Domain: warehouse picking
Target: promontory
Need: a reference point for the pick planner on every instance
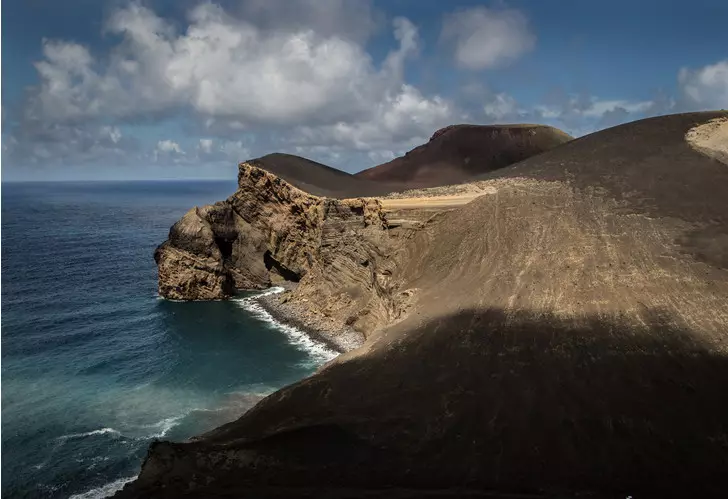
(538, 317)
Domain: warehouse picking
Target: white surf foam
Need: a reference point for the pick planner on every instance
(319, 351)
(164, 426)
(159, 430)
(107, 490)
(101, 431)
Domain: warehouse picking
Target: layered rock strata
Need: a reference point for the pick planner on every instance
(338, 251)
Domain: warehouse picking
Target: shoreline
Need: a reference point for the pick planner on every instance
(336, 337)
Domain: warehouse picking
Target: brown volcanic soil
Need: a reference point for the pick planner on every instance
(318, 179)
(457, 153)
(568, 333)
(453, 155)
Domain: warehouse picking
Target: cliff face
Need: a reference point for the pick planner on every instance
(339, 251)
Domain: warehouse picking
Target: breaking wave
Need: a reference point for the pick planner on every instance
(319, 351)
(106, 490)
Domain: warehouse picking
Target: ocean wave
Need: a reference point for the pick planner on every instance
(107, 490)
(101, 431)
(319, 351)
(172, 300)
(160, 430)
(163, 426)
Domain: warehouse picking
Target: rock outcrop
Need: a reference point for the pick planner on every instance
(338, 251)
(568, 334)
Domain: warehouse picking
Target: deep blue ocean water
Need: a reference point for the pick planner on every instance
(94, 364)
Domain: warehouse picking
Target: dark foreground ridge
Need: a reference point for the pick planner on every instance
(526, 404)
(563, 334)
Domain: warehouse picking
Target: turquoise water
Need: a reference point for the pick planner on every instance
(94, 364)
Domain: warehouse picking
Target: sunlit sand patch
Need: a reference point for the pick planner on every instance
(711, 138)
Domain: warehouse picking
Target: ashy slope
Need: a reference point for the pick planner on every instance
(318, 179)
(457, 153)
(568, 332)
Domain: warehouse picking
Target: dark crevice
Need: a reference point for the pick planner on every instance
(225, 245)
(274, 265)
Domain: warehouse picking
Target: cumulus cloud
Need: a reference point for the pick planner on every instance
(581, 114)
(113, 133)
(235, 150)
(169, 146)
(295, 69)
(400, 120)
(485, 38)
(227, 151)
(223, 68)
(598, 108)
(53, 143)
(707, 87)
(168, 151)
(295, 76)
(355, 20)
(503, 106)
(205, 145)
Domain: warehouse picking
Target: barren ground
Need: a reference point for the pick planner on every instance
(711, 139)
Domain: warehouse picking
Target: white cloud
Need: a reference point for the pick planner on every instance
(8, 144)
(235, 151)
(382, 156)
(579, 107)
(272, 75)
(168, 151)
(707, 87)
(485, 38)
(223, 151)
(401, 120)
(68, 144)
(352, 19)
(205, 145)
(501, 107)
(169, 146)
(598, 108)
(113, 132)
(222, 68)
(297, 72)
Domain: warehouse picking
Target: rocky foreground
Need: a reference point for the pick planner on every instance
(565, 332)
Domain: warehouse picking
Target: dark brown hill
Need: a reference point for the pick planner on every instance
(457, 153)
(319, 179)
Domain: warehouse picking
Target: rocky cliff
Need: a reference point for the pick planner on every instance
(568, 335)
(338, 251)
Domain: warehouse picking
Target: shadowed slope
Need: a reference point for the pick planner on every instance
(457, 153)
(481, 401)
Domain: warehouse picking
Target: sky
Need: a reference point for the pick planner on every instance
(119, 89)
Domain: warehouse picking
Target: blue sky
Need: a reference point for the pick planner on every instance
(186, 89)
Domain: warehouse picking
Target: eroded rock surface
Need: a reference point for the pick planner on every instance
(338, 251)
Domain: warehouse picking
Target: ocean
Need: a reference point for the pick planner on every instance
(94, 364)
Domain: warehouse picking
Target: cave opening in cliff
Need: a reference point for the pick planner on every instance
(274, 265)
(225, 246)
